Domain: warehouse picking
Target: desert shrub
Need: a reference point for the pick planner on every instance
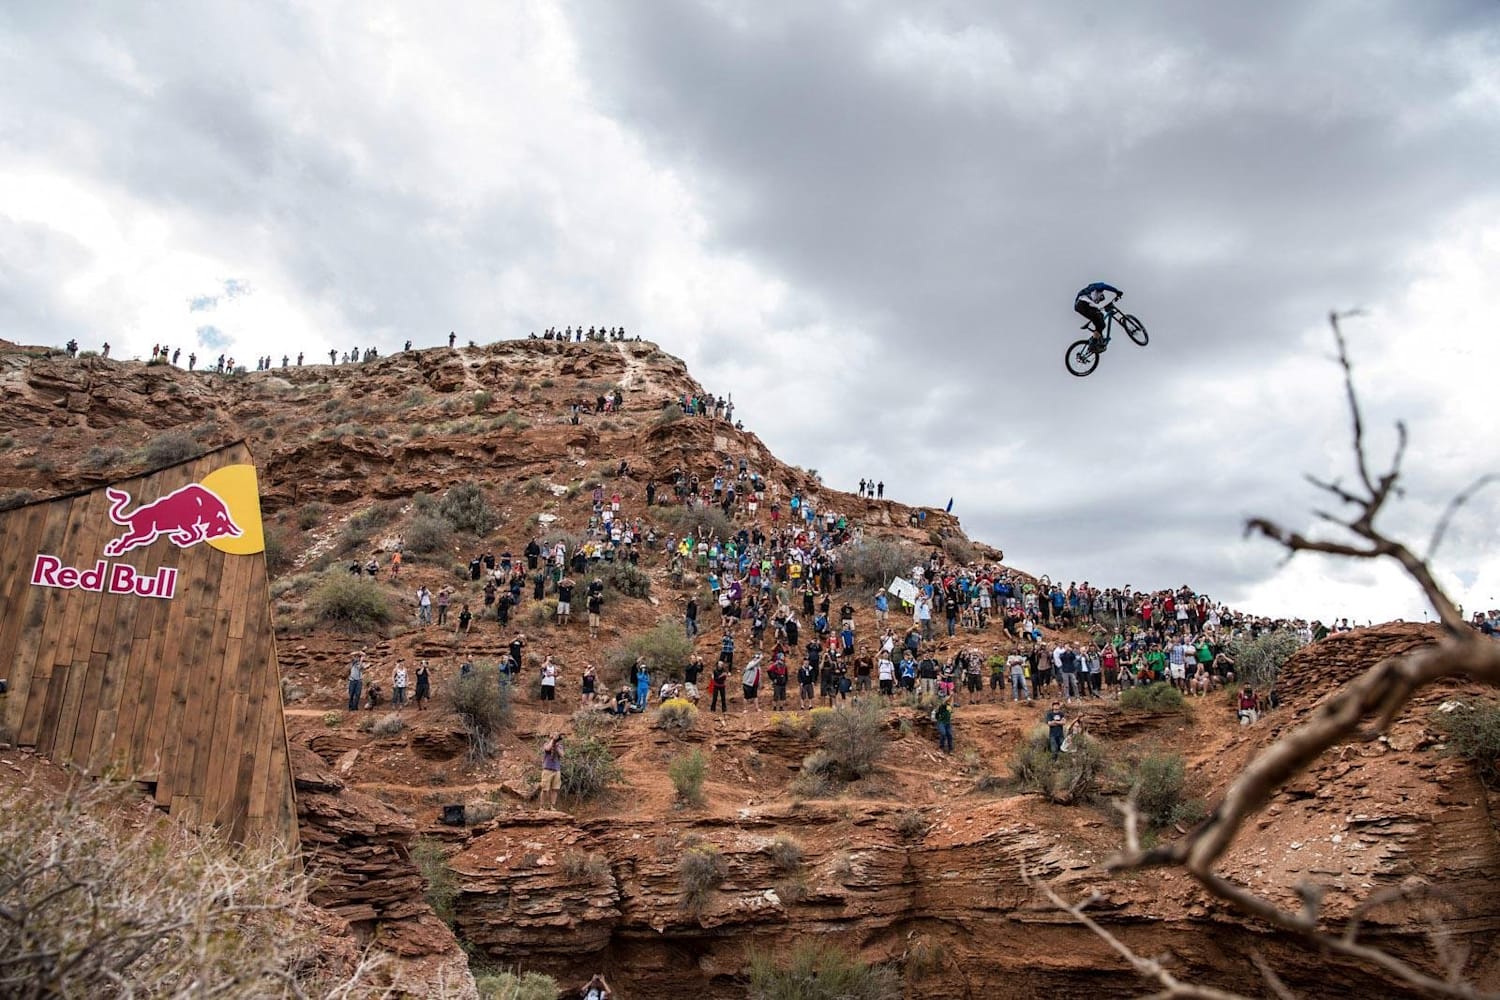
(911, 824)
(1159, 781)
(786, 853)
(665, 647)
(1472, 731)
(428, 534)
(959, 549)
(516, 986)
(171, 448)
(854, 740)
(1258, 661)
(103, 458)
(583, 866)
(309, 514)
(388, 725)
(278, 559)
(351, 603)
(699, 520)
(625, 579)
(687, 772)
(95, 906)
(482, 705)
(874, 561)
(817, 778)
(817, 971)
(511, 420)
(16, 498)
(467, 510)
(38, 463)
(670, 414)
(482, 401)
(441, 887)
(1072, 777)
(676, 714)
(1159, 697)
(701, 871)
(589, 766)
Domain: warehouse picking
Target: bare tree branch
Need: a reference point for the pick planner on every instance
(1453, 506)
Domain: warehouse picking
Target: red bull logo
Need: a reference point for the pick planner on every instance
(222, 511)
(185, 516)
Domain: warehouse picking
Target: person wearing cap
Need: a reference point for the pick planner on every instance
(943, 717)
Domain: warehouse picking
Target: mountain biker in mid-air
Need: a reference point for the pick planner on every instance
(1090, 304)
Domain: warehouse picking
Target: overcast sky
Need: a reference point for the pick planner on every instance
(866, 220)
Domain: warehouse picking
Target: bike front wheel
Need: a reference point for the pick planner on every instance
(1081, 358)
(1135, 329)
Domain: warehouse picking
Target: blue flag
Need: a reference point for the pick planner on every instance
(950, 505)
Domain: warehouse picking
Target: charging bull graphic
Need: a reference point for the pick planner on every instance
(186, 516)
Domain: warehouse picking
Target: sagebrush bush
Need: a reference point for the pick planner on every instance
(872, 562)
(1071, 777)
(701, 871)
(516, 986)
(441, 889)
(350, 603)
(786, 853)
(699, 520)
(170, 448)
(467, 510)
(687, 772)
(1160, 782)
(95, 905)
(911, 824)
(310, 514)
(1258, 661)
(589, 767)
(482, 705)
(429, 533)
(670, 414)
(676, 714)
(816, 971)
(1158, 697)
(278, 559)
(665, 648)
(583, 866)
(389, 725)
(625, 579)
(1472, 731)
(854, 739)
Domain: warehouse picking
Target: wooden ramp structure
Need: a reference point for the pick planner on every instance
(136, 636)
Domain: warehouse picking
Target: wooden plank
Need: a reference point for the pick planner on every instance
(48, 705)
(22, 605)
(203, 695)
(81, 618)
(244, 660)
(33, 667)
(92, 743)
(116, 728)
(166, 723)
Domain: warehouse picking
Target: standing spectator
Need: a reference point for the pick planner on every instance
(596, 605)
(643, 686)
(588, 683)
(1056, 728)
(356, 680)
(549, 681)
(424, 686)
(444, 596)
(424, 602)
(882, 607)
(717, 687)
(465, 617)
(564, 600)
(552, 758)
(690, 617)
(750, 682)
(398, 686)
(943, 717)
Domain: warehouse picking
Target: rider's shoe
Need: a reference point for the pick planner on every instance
(1096, 344)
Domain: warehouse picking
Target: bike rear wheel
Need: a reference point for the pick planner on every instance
(1135, 329)
(1081, 358)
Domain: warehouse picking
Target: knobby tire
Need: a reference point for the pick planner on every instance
(1081, 359)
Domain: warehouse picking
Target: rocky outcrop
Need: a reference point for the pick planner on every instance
(358, 854)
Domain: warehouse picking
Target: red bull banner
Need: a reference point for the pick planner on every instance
(204, 512)
(137, 638)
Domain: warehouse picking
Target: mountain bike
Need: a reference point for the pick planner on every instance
(1083, 355)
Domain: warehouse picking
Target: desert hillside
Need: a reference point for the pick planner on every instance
(846, 824)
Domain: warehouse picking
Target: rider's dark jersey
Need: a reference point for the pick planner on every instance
(1098, 286)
